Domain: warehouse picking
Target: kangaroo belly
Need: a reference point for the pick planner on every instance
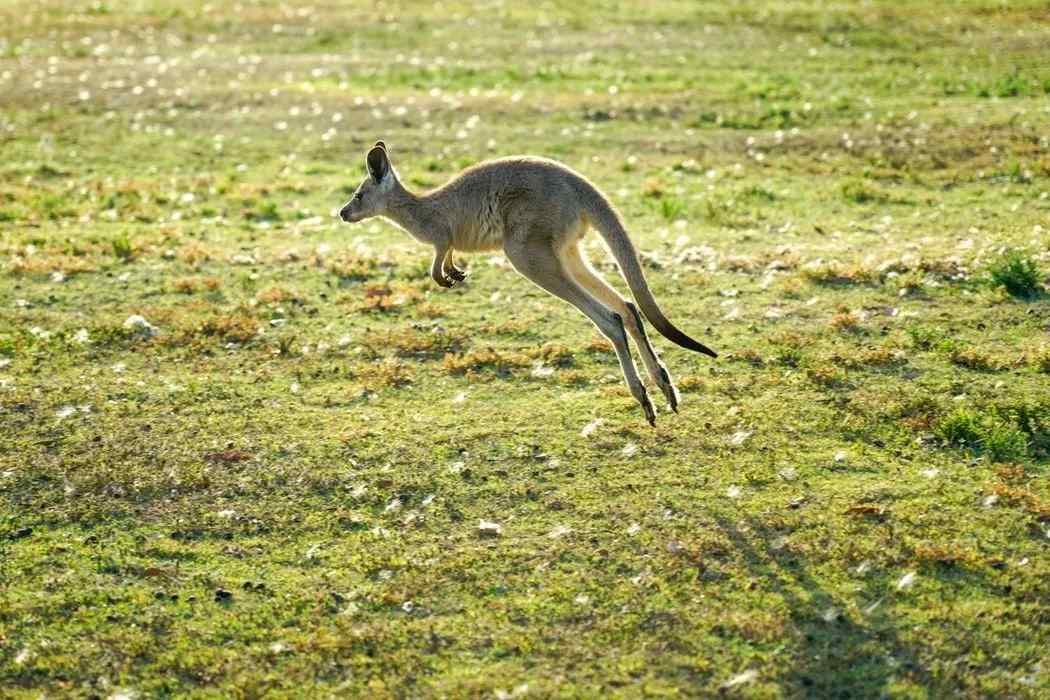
(483, 232)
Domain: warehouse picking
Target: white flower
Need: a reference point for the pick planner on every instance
(734, 492)
(65, 412)
(81, 336)
(487, 528)
(740, 436)
(591, 427)
(740, 679)
(633, 529)
(140, 325)
(629, 450)
(540, 371)
(559, 531)
(906, 581)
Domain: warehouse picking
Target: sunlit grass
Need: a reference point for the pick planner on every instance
(248, 450)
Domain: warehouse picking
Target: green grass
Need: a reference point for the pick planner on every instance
(275, 484)
(1018, 273)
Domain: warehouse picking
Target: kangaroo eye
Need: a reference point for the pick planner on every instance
(357, 196)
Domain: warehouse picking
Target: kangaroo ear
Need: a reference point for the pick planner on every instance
(378, 164)
(380, 144)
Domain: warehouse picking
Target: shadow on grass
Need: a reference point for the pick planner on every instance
(834, 654)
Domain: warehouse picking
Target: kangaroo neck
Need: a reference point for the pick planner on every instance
(417, 214)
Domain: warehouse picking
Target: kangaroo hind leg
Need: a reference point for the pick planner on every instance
(536, 260)
(580, 268)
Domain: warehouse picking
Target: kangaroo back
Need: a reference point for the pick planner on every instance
(604, 218)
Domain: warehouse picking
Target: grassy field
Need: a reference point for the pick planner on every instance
(309, 471)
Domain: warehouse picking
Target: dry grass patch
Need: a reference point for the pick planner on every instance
(192, 285)
(351, 268)
(947, 555)
(836, 274)
(553, 354)
(384, 299)
(972, 358)
(872, 357)
(846, 322)
(748, 355)
(430, 343)
(598, 344)
(49, 263)
(225, 328)
(195, 252)
(827, 376)
(389, 372)
(478, 361)
(278, 295)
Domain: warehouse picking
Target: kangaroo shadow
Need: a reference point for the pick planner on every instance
(833, 653)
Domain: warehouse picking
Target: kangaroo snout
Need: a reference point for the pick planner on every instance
(344, 214)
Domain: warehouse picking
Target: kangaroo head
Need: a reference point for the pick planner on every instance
(372, 197)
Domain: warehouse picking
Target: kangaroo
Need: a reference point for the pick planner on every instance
(536, 210)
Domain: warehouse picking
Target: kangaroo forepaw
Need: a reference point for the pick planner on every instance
(456, 274)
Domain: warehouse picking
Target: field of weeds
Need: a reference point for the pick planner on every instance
(246, 450)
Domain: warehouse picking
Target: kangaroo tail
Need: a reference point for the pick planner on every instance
(604, 218)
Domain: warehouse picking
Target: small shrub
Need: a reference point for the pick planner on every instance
(1042, 361)
(961, 427)
(672, 208)
(984, 434)
(1018, 273)
(859, 193)
(925, 338)
(788, 356)
(1004, 443)
(123, 249)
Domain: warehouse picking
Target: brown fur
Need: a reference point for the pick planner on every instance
(536, 210)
